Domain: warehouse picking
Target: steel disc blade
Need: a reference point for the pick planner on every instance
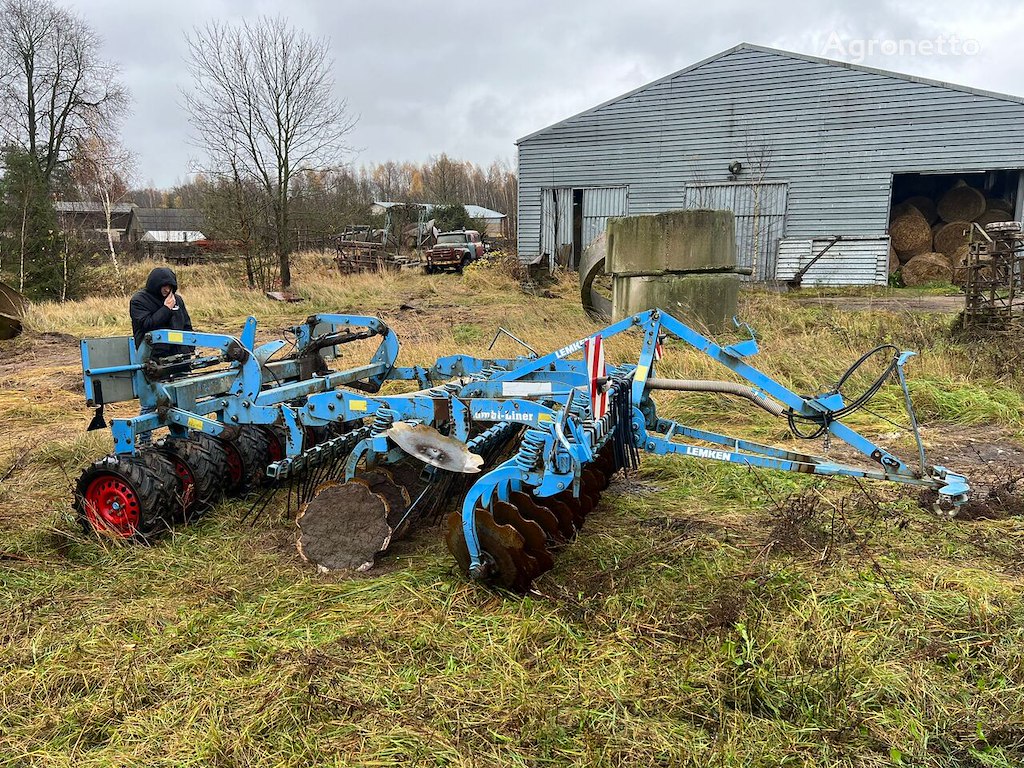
(514, 568)
(455, 540)
(605, 466)
(580, 507)
(397, 497)
(591, 485)
(431, 447)
(566, 519)
(536, 541)
(533, 510)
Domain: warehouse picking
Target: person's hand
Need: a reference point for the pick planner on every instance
(171, 302)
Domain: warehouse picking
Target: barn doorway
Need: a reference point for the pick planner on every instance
(573, 217)
(1001, 190)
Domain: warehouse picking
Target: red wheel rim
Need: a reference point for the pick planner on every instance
(235, 469)
(111, 504)
(275, 450)
(188, 482)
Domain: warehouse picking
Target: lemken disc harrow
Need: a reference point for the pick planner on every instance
(515, 453)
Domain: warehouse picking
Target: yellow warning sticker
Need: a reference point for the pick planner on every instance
(357, 405)
(175, 337)
(641, 373)
(193, 422)
(544, 417)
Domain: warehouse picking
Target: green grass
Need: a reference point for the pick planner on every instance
(707, 615)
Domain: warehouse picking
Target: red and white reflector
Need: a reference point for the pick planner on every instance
(593, 351)
(659, 350)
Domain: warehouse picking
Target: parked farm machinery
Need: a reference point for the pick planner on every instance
(516, 451)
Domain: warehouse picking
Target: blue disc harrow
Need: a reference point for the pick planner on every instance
(514, 453)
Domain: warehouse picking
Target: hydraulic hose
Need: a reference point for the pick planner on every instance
(719, 387)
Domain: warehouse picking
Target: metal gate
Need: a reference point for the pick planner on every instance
(600, 203)
(760, 211)
(558, 224)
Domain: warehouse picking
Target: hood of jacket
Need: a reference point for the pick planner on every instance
(158, 278)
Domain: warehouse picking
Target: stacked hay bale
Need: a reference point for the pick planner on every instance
(927, 268)
(933, 234)
(910, 234)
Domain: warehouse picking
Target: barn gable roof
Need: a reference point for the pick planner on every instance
(782, 54)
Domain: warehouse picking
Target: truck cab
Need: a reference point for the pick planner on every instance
(454, 251)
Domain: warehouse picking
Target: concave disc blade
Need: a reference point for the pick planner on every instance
(533, 510)
(397, 497)
(536, 541)
(566, 518)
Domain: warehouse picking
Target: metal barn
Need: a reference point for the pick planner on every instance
(803, 150)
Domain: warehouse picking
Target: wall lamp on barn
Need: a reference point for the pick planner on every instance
(735, 167)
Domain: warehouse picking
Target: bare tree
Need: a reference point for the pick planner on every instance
(55, 90)
(101, 170)
(264, 108)
(759, 156)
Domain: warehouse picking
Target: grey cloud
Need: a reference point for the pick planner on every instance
(469, 79)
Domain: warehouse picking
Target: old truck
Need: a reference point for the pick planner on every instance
(453, 251)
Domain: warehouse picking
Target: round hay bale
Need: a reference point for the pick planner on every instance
(898, 210)
(998, 204)
(961, 203)
(894, 261)
(952, 236)
(910, 234)
(925, 206)
(959, 262)
(993, 215)
(927, 268)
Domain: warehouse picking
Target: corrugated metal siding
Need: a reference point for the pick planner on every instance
(598, 205)
(760, 212)
(835, 134)
(851, 261)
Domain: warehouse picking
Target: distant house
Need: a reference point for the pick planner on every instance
(88, 220)
(495, 223)
(165, 225)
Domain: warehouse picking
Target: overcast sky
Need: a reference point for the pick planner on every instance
(469, 78)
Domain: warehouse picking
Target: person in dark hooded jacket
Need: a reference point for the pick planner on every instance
(159, 307)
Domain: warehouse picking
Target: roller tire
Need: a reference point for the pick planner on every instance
(207, 467)
(143, 486)
(219, 451)
(254, 448)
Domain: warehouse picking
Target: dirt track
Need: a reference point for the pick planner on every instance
(932, 304)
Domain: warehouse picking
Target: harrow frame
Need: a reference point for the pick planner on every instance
(569, 415)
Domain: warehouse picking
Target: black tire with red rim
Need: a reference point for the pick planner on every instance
(254, 448)
(201, 469)
(277, 442)
(246, 451)
(126, 497)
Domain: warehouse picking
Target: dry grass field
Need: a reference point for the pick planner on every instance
(707, 615)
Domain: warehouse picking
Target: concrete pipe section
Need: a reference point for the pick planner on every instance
(591, 267)
(12, 311)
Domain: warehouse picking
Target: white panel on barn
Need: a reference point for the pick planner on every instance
(848, 261)
(556, 223)
(600, 203)
(760, 211)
